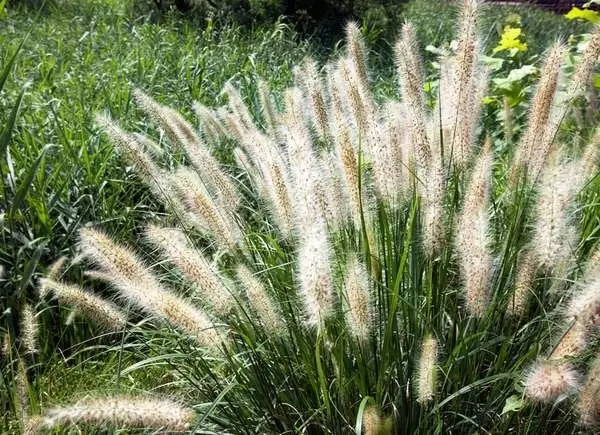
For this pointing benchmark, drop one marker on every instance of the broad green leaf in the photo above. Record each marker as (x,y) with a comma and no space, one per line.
(516,75)
(494,63)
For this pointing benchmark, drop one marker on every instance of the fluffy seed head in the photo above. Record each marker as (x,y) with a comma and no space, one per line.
(359,310)
(120,412)
(545,381)
(314,277)
(212,217)
(30,329)
(426,375)
(472,239)
(537,138)
(589,397)
(411,85)
(526,269)
(114,259)
(585,66)
(371,421)
(261,302)
(99,311)
(554,234)
(585,305)
(121,268)
(194,266)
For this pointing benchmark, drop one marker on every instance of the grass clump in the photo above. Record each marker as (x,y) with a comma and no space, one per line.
(360,266)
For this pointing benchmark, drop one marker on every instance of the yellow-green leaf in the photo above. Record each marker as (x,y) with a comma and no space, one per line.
(510,39)
(583,14)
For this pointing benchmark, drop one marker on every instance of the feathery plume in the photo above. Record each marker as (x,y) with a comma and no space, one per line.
(181,133)
(22,392)
(585,305)
(433,195)
(356,51)
(589,397)
(237,106)
(411,85)
(149,145)
(211,217)
(371,421)
(126,272)
(196,269)
(426,375)
(132,148)
(56,268)
(133,151)
(160,115)
(468,87)
(99,311)
(314,275)
(310,197)
(267,105)
(261,302)
(210,123)
(113,259)
(359,310)
(472,239)
(117,412)
(572,342)
(30,329)
(536,140)
(526,269)
(545,381)
(309,80)
(587,61)
(554,234)
(345,150)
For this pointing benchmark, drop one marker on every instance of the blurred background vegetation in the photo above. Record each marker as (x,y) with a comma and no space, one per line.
(73,59)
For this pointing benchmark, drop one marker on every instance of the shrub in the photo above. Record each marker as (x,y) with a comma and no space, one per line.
(362,266)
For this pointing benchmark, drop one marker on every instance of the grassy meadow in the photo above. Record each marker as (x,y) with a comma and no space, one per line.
(62,172)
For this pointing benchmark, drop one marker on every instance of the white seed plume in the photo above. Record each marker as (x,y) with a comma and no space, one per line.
(125,271)
(314,276)
(426,374)
(554,234)
(101,312)
(260,301)
(211,216)
(472,239)
(519,298)
(119,412)
(182,135)
(589,397)
(546,380)
(211,125)
(411,85)
(346,152)
(585,66)
(359,309)
(433,195)
(194,266)
(30,329)
(584,306)
(537,138)
(309,80)
(470,87)
(309,193)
